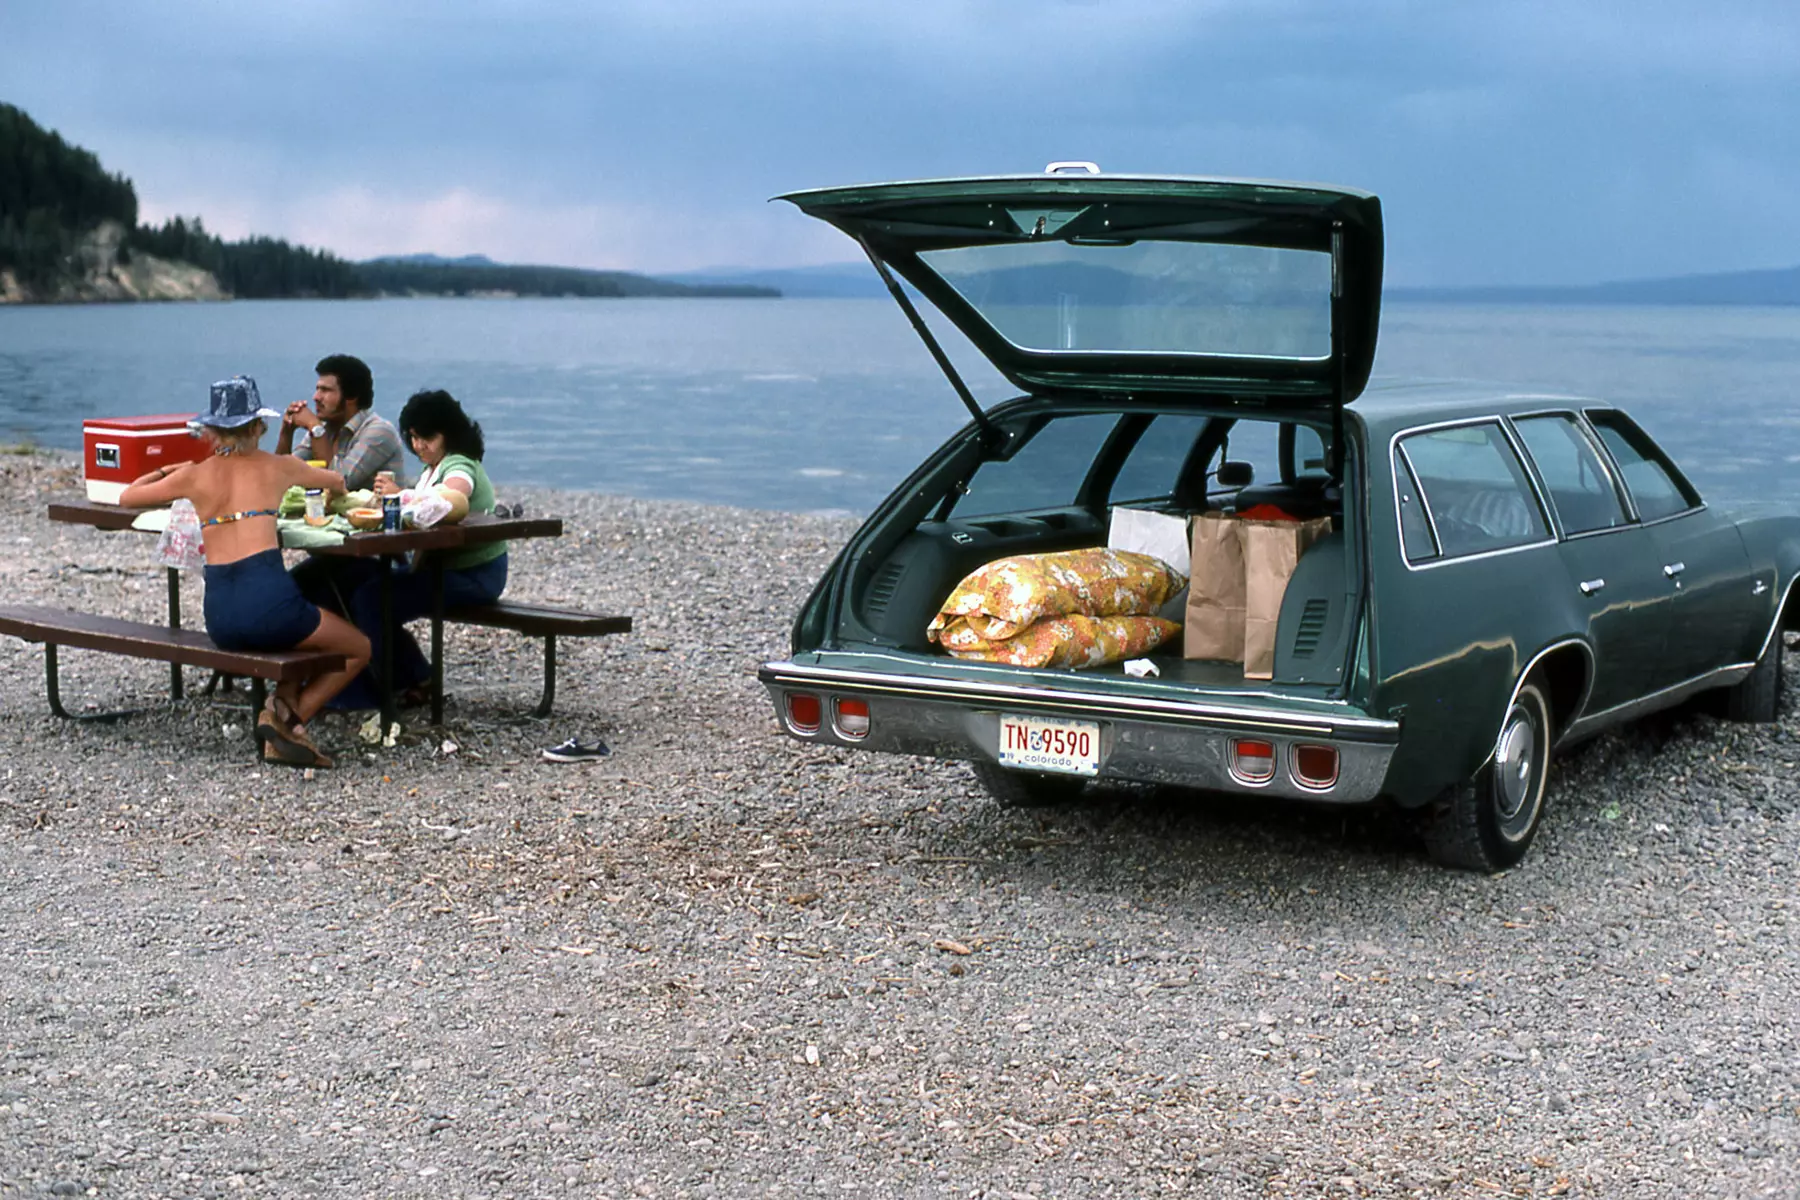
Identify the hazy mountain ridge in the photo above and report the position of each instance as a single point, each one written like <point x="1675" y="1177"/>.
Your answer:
<point x="1778" y="286"/>
<point x="1772" y="287"/>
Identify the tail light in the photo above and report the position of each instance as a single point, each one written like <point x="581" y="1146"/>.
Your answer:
<point x="804" y="712"/>
<point x="852" y="718"/>
<point x="1252" y="760"/>
<point x="1315" y="766"/>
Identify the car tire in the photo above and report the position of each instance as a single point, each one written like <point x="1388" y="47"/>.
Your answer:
<point x="1027" y="789"/>
<point x="1757" y="696"/>
<point x="1487" y="823"/>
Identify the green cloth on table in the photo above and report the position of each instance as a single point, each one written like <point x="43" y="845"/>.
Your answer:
<point x="296" y="534"/>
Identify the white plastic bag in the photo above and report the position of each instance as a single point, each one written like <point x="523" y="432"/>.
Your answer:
<point x="423" y="508"/>
<point x="181" y="545"/>
<point x="1156" y="534"/>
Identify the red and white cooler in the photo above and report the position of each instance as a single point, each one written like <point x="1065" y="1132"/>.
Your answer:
<point x="118" y="450"/>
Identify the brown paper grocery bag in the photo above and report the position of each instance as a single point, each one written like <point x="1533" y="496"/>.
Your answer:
<point x="1271" y="551"/>
<point x="1215" y="605"/>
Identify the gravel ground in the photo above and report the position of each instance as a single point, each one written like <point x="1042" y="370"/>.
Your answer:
<point x="719" y="963"/>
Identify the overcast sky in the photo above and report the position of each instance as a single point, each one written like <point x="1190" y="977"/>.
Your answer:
<point x="1512" y="141"/>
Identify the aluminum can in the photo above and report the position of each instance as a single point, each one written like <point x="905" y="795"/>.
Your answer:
<point x="390" y="513"/>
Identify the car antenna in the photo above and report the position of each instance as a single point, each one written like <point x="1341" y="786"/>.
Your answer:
<point x="992" y="436"/>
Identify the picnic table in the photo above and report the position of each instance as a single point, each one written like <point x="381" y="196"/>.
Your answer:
<point x="180" y="647"/>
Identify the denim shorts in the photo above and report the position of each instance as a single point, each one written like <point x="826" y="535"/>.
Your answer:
<point x="252" y="604"/>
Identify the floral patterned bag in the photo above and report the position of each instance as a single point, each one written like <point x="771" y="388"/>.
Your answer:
<point x="1072" y="641"/>
<point x="1003" y="598"/>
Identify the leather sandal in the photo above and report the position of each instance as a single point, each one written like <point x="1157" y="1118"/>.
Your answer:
<point x="292" y="746"/>
<point x="290" y="721"/>
<point x="296" y="757"/>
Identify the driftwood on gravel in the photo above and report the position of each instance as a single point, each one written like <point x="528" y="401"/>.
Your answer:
<point x="719" y="963"/>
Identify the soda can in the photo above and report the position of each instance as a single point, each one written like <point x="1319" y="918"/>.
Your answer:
<point x="390" y="513"/>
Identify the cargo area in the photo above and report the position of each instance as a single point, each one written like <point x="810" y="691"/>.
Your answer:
<point x="1182" y="465"/>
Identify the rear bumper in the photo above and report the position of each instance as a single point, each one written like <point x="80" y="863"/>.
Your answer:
<point x="1155" y="739"/>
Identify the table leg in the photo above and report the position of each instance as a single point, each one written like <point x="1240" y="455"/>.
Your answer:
<point x="437" y="639"/>
<point x="384" y="670"/>
<point x="174" y="623"/>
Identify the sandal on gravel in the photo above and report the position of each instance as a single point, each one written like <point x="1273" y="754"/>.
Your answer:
<point x="297" y="756"/>
<point x="295" y="746"/>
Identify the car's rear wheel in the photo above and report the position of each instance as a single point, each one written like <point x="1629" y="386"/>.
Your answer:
<point x="1757" y="696"/>
<point x="1027" y="789"/>
<point x="1489" y="822"/>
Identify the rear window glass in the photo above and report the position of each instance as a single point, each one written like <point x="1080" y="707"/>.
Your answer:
<point x="1146" y="296"/>
<point x="1046" y="472"/>
<point x="1476" y="489"/>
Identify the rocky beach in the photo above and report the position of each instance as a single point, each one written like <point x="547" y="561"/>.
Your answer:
<point x="718" y="963"/>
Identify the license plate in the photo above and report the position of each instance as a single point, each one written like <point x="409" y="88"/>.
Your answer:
<point x="1047" y="744"/>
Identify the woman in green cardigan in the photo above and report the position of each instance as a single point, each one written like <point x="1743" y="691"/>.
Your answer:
<point x="450" y="447"/>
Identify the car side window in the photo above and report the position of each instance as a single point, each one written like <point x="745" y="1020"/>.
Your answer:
<point x="1477" y="490"/>
<point x="1046" y="472"/>
<point x="1151" y="470"/>
<point x="1580" y="487"/>
<point x="1416" y="539"/>
<point x="1653" y="485"/>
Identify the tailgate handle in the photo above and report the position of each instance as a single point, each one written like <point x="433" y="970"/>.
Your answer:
<point x="1590" y="586"/>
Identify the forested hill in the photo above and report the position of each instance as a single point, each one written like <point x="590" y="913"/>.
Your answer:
<point x="69" y="231"/>
<point x="474" y="276"/>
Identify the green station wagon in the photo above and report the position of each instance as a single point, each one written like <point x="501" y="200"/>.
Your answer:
<point x="1503" y="574"/>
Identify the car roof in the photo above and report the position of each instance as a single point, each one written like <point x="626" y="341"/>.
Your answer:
<point x="1389" y="406"/>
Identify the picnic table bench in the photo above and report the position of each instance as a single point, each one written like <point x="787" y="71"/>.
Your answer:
<point x="535" y="620"/>
<point x="54" y="627"/>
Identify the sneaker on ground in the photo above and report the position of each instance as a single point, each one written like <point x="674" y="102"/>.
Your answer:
<point x="574" y="750"/>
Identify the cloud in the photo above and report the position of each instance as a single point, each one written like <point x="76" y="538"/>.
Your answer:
<point x="1514" y="139"/>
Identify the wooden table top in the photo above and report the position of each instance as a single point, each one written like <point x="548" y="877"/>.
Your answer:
<point x="476" y="529"/>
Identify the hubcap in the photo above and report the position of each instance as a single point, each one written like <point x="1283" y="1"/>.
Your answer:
<point x="1514" y="760"/>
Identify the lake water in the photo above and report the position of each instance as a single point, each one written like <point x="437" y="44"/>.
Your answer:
<point x="825" y="405"/>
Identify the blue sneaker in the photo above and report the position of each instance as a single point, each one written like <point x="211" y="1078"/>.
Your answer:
<point x="575" y="751"/>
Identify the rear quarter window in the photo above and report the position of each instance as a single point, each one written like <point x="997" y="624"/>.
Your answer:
<point x="1475" y="488"/>
<point x="1655" y="487"/>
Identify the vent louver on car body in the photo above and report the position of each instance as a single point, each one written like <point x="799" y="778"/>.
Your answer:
<point x="1312" y="626"/>
<point x="883" y="587"/>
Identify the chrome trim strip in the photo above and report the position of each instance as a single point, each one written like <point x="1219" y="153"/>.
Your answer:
<point x="1404" y="459"/>
<point x="1519" y="684"/>
<point x="1592" y="723"/>
<point x="1775" y="623"/>
<point x="793" y="674"/>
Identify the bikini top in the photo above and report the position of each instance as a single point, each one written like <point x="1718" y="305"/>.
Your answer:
<point x="238" y="516"/>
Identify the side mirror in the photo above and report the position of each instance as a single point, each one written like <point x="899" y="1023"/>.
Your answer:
<point x="1234" y="474"/>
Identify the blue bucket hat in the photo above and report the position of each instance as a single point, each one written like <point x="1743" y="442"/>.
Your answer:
<point x="235" y="402"/>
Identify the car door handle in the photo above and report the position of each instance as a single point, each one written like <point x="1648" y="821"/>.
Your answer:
<point x="1673" y="569"/>
<point x="1590" y="586"/>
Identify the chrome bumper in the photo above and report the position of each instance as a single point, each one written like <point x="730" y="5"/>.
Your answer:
<point x="1144" y="738"/>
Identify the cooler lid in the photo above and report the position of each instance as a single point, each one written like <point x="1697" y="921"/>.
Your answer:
<point x="152" y="423"/>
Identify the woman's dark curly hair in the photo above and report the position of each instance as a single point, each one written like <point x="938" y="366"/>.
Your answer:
<point x="431" y="413"/>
